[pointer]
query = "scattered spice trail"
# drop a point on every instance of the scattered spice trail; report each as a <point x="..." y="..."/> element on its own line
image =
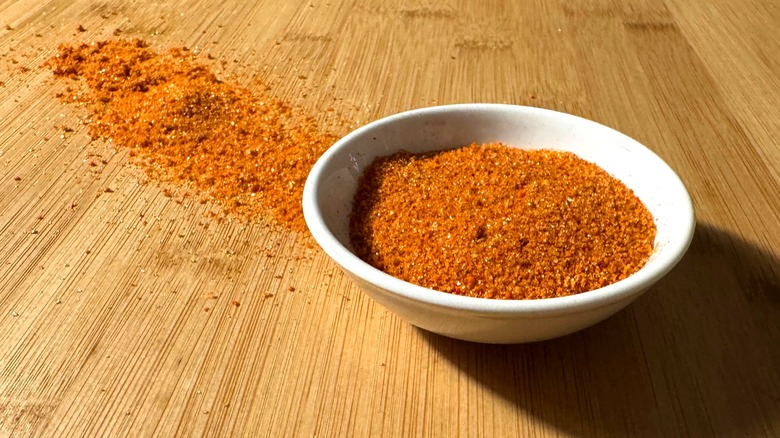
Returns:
<point x="498" y="222"/>
<point x="249" y="153"/>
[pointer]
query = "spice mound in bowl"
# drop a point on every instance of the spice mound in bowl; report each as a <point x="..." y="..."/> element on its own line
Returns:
<point x="436" y="212"/>
<point x="493" y="221"/>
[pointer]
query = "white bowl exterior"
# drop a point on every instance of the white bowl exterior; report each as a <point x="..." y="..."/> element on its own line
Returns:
<point x="330" y="188"/>
<point x="488" y="328"/>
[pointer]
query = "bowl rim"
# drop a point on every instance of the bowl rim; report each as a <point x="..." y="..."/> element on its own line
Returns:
<point x="585" y="301"/>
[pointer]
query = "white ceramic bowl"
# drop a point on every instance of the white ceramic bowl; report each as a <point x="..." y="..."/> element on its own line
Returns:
<point x="331" y="185"/>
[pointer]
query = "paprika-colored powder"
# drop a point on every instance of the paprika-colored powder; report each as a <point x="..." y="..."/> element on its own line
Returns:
<point x="246" y="151"/>
<point x="493" y="221"/>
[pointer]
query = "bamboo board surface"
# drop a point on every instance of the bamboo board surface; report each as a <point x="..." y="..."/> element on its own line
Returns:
<point x="127" y="312"/>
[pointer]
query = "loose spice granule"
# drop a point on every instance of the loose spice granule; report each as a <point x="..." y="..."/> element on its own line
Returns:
<point x="498" y="222"/>
<point x="248" y="152"/>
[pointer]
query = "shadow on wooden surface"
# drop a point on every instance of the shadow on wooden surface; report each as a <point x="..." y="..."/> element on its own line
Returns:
<point x="714" y="318"/>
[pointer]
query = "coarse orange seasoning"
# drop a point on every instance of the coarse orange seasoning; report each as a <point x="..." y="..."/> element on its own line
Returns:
<point x="248" y="152"/>
<point x="493" y="221"/>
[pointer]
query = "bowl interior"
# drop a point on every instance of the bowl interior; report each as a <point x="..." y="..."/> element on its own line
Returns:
<point x="333" y="182"/>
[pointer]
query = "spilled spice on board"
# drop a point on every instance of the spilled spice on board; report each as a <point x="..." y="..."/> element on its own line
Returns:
<point x="246" y="151"/>
<point x="493" y="221"/>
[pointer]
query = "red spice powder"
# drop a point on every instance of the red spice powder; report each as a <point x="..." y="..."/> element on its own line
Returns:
<point x="498" y="222"/>
<point x="248" y="152"/>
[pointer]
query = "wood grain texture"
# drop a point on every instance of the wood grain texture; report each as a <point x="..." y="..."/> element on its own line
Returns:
<point x="124" y="312"/>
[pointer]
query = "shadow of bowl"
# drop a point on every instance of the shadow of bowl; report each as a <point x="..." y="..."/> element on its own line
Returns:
<point x="699" y="353"/>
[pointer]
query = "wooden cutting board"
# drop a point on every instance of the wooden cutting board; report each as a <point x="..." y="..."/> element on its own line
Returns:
<point x="125" y="312"/>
